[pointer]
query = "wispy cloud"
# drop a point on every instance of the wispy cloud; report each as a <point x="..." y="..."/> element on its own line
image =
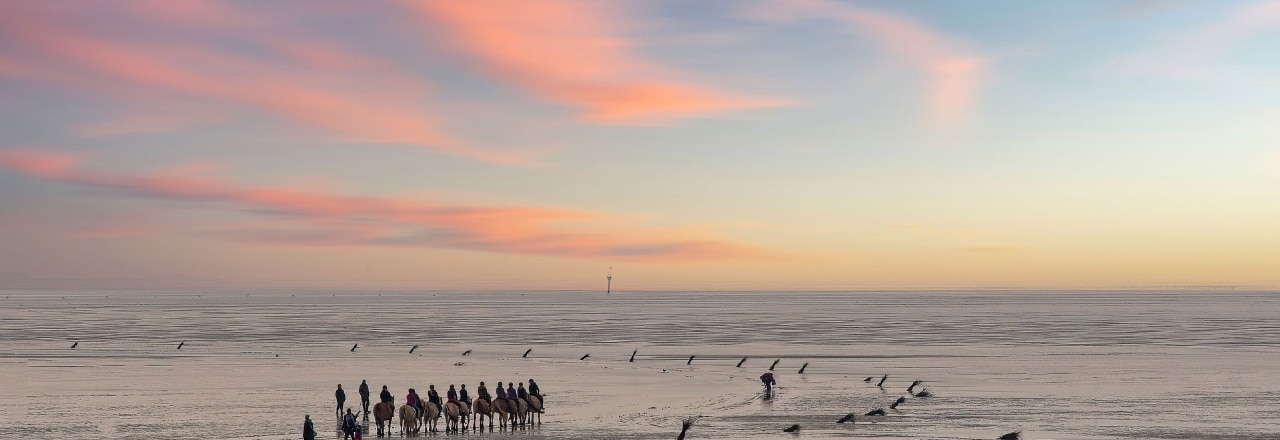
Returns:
<point x="573" y="52"/>
<point x="1197" y="53"/>
<point x="311" y="217"/>
<point x="955" y="73"/>
<point x="175" y="53"/>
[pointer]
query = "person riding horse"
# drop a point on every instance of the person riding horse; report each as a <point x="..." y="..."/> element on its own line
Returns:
<point x="386" y="396"/>
<point x="413" y="400"/>
<point x="452" y="394"/>
<point x="522" y="394"/>
<point x="434" y="398"/>
<point x="462" y="394"/>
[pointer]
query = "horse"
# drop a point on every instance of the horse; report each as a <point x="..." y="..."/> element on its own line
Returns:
<point x="464" y="412"/>
<point x="535" y="409"/>
<point x="504" y="410"/>
<point x="457" y="415"/>
<point x="409" y="419"/>
<point x="481" y="409"/>
<point x="382" y="412"/>
<point x="431" y="417"/>
<point x="518" y="413"/>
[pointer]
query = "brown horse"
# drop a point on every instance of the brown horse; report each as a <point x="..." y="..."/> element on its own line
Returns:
<point x="382" y="412"/>
<point x="431" y="417"/>
<point x="535" y="409"/>
<point x="457" y="414"/>
<point x="409" y="419"/>
<point x="481" y="409"/>
<point x="504" y="410"/>
<point x="519" y="415"/>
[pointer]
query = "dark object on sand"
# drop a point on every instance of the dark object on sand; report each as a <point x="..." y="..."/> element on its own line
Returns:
<point x="180" y="344"/>
<point x="1016" y="435"/>
<point x="466" y="352"/>
<point x="744" y="359"/>
<point x="584" y="357"/>
<point x="846" y="419"/>
<point x="74" y="344"/>
<point x="868" y="379"/>
<point x="775" y="363"/>
<point x="924" y="393"/>
<point x="792" y="428"/>
<point x="875" y="412"/>
<point x="684" y="427"/>
<point x="633" y="355"/>
<point x="897" y="402"/>
<point x="911" y="389"/>
<point x="353" y="347"/>
<point x="412" y="349"/>
<point x="526" y="353"/>
<point x="690" y="360"/>
<point x="882" y="379"/>
<point x="802" y="367"/>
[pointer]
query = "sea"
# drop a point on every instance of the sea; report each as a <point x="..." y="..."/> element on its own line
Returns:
<point x="1141" y="364"/>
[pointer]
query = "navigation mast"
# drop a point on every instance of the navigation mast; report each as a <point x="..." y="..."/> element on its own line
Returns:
<point x="609" y="281"/>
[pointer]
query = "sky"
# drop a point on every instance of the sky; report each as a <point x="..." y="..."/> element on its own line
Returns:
<point x="746" y="145"/>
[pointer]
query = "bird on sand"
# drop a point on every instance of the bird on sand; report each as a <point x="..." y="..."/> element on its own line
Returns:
<point x="74" y="344"/>
<point x="868" y="379"/>
<point x="633" y="355"/>
<point x="924" y="393"/>
<point x="875" y="412"/>
<point x="1016" y="435"/>
<point x="775" y="363"/>
<point x="466" y="352"/>
<point x="353" y="347"/>
<point x="180" y="344"/>
<point x="412" y="349"/>
<point x="690" y="360"/>
<point x="792" y="428"/>
<point x="526" y="353"/>
<point x="584" y="357"/>
<point x="846" y="419"/>
<point x="744" y="359"/>
<point x="911" y="389"/>
<point x="897" y="402"/>
<point x="684" y="427"/>
<point x="882" y="379"/>
<point x="802" y="367"/>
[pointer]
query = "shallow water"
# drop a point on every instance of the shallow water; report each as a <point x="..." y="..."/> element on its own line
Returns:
<point x="1059" y="365"/>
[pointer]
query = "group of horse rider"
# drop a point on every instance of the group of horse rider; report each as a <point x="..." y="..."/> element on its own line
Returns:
<point x="513" y="393"/>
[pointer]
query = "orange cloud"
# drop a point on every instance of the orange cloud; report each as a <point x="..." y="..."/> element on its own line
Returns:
<point x="955" y="74"/>
<point x="317" y="84"/>
<point x="571" y="52"/>
<point x="317" y="218"/>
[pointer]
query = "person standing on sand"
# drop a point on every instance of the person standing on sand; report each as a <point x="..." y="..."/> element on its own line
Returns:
<point x="349" y="425"/>
<point x="342" y="398"/>
<point x="386" y="396"/>
<point x="308" y="430"/>
<point x="364" y="395"/>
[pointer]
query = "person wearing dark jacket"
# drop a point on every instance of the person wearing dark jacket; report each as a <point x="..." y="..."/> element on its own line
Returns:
<point x="452" y="394"/>
<point x="386" y="395"/>
<point x="533" y="389"/>
<point x="511" y="392"/>
<point x="364" y="396"/>
<point x="483" y="393"/>
<point x="433" y="397"/>
<point x="308" y="430"/>
<point x="522" y="394"/>
<point x="462" y="394"/>
<point x="341" y="396"/>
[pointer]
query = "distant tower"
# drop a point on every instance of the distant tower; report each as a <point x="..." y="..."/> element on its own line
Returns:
<point x="608" y="287"/>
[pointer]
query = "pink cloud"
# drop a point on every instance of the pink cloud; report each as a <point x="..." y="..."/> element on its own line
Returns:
<point x="315" y="218"/>
<point x="955" y="74"/>
<point x="320" y="86"/>
<point x="572" y="52"/>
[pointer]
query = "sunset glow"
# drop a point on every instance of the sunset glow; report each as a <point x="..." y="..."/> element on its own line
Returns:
<point x="771" y="144"/>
